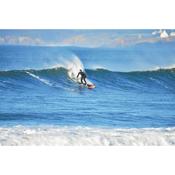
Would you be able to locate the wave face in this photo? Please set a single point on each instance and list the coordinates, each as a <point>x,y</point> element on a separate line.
<point>36,89</point>
<point>158,81</point>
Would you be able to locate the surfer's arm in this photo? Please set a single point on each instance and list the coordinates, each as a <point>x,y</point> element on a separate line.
<point>78,74</point>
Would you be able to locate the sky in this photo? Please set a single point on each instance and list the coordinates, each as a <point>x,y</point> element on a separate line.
<point>84,38</point>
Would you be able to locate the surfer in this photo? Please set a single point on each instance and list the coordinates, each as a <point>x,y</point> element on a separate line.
<point>83,77</point>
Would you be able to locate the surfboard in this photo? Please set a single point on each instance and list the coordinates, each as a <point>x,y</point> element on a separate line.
<point>90,86</point>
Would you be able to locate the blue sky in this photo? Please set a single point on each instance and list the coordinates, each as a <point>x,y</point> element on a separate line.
<point>82,38</point>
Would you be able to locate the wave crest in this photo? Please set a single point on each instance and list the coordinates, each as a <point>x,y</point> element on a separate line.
<point>145,81</point>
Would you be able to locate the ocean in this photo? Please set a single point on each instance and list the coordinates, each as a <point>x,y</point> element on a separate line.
<point>133,102</point>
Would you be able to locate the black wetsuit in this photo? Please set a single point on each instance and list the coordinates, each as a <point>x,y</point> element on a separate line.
<point>83,77</point>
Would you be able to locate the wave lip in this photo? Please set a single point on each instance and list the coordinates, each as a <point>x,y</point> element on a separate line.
<point>98,69</point>
<point>44,135</point>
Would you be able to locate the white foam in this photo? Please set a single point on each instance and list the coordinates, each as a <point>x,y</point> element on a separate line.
<point>96,67</point>
<point>156,68</point>
<point>164,34</point>
<point>40,79</point>
<point>172,34</point>
<point>169,67</point>
<point>85,136</point>
<point>74,65</point>
<point>159,82</point>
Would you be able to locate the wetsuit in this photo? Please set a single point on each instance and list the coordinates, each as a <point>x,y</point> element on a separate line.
<point>83,76</point>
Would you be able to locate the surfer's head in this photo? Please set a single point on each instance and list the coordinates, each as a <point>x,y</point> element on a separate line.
<point>80,70</point>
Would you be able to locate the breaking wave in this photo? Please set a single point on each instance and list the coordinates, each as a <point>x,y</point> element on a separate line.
<point>158,80</point>
<point>21,135</point>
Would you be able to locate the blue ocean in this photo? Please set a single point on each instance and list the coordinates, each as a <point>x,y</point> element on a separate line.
<point>133,102</point>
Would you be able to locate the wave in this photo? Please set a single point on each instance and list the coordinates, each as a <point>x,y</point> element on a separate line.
<point>161,79</point>
<point>43,135</point>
